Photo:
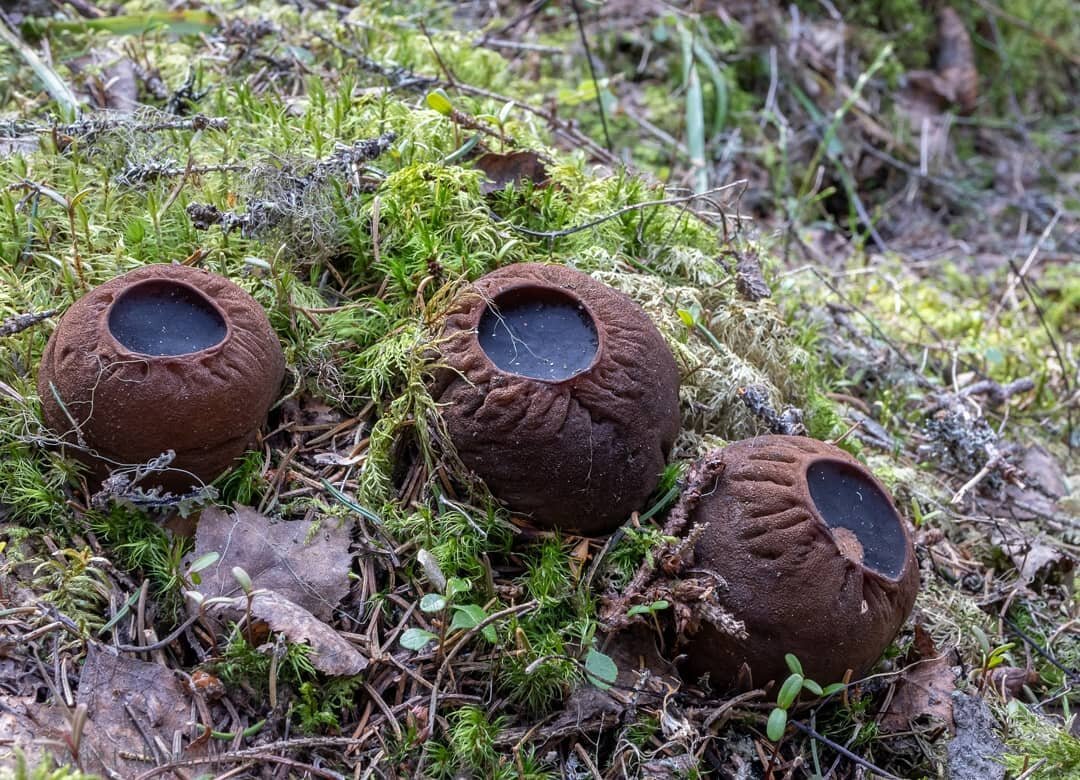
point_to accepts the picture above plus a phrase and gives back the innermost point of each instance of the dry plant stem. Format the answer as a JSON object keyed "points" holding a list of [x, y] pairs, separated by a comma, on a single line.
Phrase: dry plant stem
{"points": [[21, 322], [843, 751], [1015, 279], [672, 557], [619, 212], [263, 753], [583, 754], [996, 459]]}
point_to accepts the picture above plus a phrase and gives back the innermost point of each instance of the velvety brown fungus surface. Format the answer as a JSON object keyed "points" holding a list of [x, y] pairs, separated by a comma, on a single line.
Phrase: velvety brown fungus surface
{"points": [[163, 357], [815, 560], [560, 393]]}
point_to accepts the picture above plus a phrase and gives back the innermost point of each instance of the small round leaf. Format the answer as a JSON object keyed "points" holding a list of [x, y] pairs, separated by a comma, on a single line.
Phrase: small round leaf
{"points": [[777, 724], [601, 669], [432, 602], [789, 690], [793, 663], [416, 638], [438, 100]]}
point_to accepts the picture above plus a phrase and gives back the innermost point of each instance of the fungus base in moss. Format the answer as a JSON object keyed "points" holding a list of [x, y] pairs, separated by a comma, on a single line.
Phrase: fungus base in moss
{"points": [[165, 318], [538, 333]]}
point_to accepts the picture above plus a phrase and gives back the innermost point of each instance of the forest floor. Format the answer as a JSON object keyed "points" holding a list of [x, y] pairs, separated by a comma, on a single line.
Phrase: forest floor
{"points": [[863, 225]]}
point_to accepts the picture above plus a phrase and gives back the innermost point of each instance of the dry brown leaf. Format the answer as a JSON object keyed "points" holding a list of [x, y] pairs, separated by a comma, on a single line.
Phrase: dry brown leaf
{"points": [[925, 688], [305, 563], [749, 279], [956, 60], [331, 653], [955, 80], [512, 168], [34, 729], [125, 699], [107, 78]]}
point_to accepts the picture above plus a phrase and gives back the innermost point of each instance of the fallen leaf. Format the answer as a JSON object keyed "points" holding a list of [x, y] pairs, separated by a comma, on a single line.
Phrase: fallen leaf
{"points": [[108, 79], [34, 729], [956, 60], [331, 653], [1033, 557], [1009, 681], [512, 168], [749, 280], [954, 81], [306, 562], [127, 702], [925, 688]]}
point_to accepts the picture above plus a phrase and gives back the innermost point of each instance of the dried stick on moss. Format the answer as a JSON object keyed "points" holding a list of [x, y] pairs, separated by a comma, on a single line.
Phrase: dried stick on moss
{"points": [[21, 322], [551, 234]]}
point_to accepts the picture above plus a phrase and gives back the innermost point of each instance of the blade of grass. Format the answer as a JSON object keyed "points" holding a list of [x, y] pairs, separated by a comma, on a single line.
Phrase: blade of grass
{"points": [[695, 131], [54, 85]]}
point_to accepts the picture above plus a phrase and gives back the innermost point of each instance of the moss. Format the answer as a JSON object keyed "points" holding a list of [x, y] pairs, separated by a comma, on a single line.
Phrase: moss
{"points": [[1039, 745]]}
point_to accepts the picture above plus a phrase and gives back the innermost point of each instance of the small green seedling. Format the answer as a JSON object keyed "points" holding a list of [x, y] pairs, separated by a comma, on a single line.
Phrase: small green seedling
{"points": [[647, 609], [789, 692], [600, 669], [466, 616]]}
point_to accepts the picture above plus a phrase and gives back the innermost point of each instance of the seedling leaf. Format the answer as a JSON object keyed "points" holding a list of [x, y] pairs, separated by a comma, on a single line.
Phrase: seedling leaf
{"points": [[777, 724], [438, 100], [432, 602], [471, 615], [789, 690], [600, 669], [793, 663], [416, 638]]}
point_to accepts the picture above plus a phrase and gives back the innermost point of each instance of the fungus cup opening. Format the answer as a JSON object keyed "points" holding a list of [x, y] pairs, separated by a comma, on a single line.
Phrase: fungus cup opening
{"points": [[540, 333], [845, 498], [161, 317]]}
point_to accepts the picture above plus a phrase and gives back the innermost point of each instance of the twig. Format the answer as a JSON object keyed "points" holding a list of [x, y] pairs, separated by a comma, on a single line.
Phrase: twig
{"points": [[996, 459], [583, 754], [619, 212], [54, 85], [1065, 368], [433, 703], [592, 73], [21, 322], [1016, 21], [161, 643], [263, 753], [1015, 280], [1072, 674], [843, 751]]}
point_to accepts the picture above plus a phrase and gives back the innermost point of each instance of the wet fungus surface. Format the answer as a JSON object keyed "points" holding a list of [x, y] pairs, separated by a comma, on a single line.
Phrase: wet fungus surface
{"points": [[813, 556], [165, 357], [538, 333], [560, 393], [164, 318]]}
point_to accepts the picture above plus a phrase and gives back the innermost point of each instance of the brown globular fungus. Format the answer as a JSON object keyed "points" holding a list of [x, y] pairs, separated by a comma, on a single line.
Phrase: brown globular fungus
{"points": [[165, 357], [813, 556], [560, 394]]}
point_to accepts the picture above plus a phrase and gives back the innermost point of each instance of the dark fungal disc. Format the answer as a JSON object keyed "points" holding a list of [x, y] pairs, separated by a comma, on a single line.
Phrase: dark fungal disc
{"points": [[538, 333], [165, 318], [845, 498]]}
